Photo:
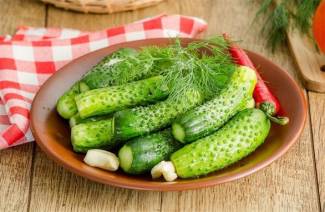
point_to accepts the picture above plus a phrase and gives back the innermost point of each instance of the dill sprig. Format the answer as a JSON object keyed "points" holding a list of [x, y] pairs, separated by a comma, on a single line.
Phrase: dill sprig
{"points": [[139, 66], [205, 66], [283, 14]]}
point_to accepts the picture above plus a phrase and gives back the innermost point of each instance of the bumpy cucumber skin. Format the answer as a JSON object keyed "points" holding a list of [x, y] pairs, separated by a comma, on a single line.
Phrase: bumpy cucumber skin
{"points": [[141, 120], [237, 139], [149, 150], [107, 100], [98, 77], [76, 119], [210, 116], [66, 106], [92, 135]]}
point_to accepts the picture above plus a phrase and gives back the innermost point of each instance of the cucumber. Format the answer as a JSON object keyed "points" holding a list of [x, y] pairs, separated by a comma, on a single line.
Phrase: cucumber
{"points": [[238, 138], [101, 75], [142, 120], [107, 100], [210, 116], [93, 135], [139, 155], [66, 106], [98, 77], [76, 119]]}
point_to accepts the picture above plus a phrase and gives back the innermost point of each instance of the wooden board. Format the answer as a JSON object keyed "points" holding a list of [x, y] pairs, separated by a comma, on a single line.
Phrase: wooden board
{"points": [[288, 184], [310, 63], [317, 111], [16, 163]]}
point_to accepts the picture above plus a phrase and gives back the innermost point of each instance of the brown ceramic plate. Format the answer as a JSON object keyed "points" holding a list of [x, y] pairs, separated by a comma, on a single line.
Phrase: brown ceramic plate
{"points": [[52, 133]]}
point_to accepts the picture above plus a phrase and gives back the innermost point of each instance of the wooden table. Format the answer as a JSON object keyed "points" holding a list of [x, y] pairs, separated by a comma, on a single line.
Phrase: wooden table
{"points": [[30, 181]]}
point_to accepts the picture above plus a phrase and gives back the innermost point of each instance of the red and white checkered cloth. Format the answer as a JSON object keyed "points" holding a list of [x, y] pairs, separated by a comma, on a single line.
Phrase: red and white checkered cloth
{"points": [[32, 55]]}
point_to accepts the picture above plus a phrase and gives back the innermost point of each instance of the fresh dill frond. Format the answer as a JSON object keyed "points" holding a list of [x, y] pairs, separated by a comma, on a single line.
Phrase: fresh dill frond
{"points": [[203, 65], [142, 65]]}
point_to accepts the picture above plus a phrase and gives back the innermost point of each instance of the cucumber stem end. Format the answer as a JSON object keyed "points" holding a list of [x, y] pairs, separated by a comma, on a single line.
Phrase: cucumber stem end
{"points": [[178, 132], [279, 119], [126, 157]]}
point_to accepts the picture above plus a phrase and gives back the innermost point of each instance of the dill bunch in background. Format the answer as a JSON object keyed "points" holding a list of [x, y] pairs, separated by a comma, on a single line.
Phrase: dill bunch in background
{"points": [[283, 15]]}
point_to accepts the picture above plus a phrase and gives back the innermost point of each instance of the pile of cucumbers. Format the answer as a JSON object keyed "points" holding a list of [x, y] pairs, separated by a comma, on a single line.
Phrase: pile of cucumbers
{"points": [[140, 122]]}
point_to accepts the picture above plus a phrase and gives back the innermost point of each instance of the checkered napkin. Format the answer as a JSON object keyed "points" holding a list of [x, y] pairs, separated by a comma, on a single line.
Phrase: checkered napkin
{"points": [[32, 55]]}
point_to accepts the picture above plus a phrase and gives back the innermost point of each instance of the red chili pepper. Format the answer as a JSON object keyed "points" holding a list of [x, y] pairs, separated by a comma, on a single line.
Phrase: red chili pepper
{"points": [[264, 99]]}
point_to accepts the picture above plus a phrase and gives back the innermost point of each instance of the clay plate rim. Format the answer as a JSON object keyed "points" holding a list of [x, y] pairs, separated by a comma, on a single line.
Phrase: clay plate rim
{"points": [[172, 186]]}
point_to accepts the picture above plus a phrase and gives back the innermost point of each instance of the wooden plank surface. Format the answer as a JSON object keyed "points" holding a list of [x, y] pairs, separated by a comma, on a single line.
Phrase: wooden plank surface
{"points": [[287, 185], [16, 163], [317, 111], [58, 190]]}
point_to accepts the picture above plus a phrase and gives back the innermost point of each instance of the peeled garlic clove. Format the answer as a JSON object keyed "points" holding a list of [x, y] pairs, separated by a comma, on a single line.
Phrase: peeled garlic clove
{"points": [[102, 159], [166, 169]]}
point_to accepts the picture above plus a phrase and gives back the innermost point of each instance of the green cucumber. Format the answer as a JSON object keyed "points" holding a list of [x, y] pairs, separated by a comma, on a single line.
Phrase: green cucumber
{"points": [[93, 135], [101, 75], [238, 138], [107, 100], [139, 155], [66, 106], [207, 118], [98, 77], [76, 119], [141, 120]]}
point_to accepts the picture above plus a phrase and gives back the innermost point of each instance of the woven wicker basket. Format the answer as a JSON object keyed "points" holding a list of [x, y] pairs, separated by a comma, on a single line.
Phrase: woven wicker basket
{"points": [[102, 6]]}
